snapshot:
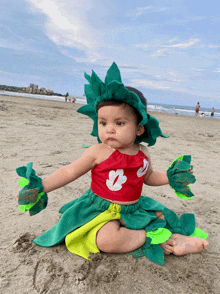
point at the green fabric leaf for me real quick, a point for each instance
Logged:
(152, 252)
(159, 236)
(185, 225)
(23, 182)
(97, 85)
(182, 196)
(179, 177)
(87, 77)
(113, 73)
(199, 234)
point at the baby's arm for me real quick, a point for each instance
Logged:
(153, 178)
(71, 172)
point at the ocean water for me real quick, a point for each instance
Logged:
(183, 110)
(166, 108)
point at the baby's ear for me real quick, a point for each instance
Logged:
(140, 130)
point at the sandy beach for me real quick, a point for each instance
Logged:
(49, 133)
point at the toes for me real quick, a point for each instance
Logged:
(171, 242)
(205, 244)
(167, 249)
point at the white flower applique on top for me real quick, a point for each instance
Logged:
(116, 179)
(142, 171)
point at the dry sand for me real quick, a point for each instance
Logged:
(49, 133)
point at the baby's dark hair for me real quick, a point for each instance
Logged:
(140, 95)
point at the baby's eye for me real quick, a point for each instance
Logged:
(120, 123)
(102, 123)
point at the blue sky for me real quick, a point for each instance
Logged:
(168, 49)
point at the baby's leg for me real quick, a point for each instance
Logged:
(159, 215)
(116, 239)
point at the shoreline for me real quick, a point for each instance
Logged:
(81, 104)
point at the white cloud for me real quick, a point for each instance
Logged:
(198, 69)
(172, 40)
(190, 43)
(67, 24)
(141, 10)
(143, 46)
(214, 46)
(159, 53)
(163, 50)
(138, 11)
(149, 84)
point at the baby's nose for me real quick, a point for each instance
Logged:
(110, 128)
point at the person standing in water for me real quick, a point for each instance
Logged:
(197, 109)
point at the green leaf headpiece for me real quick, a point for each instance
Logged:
(98, 91)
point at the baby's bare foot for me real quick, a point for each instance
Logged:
(168, 246)
(185, 245)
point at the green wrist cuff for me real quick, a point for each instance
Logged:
(31, 198)
(23, 208)
(180, 195)
(159, 236)
(184, 157)
(179, 176)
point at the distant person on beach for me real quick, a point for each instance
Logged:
(197, 109)
(112, 216)
(212, 112)
(67, 94)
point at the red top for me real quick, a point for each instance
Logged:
(120, 177)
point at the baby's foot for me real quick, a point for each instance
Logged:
(168, 246)
(185, 245)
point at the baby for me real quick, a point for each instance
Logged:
(112, 216)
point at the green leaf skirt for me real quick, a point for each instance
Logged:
(83, 217)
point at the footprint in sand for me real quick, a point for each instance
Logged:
(49, 276)
(24, 243)
(100, 270)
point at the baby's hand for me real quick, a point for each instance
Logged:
(18, 192)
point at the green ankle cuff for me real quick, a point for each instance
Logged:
(159, 236)
(199, 233)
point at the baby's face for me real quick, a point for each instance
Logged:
(117, 126)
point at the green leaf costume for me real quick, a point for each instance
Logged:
(83, 217)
